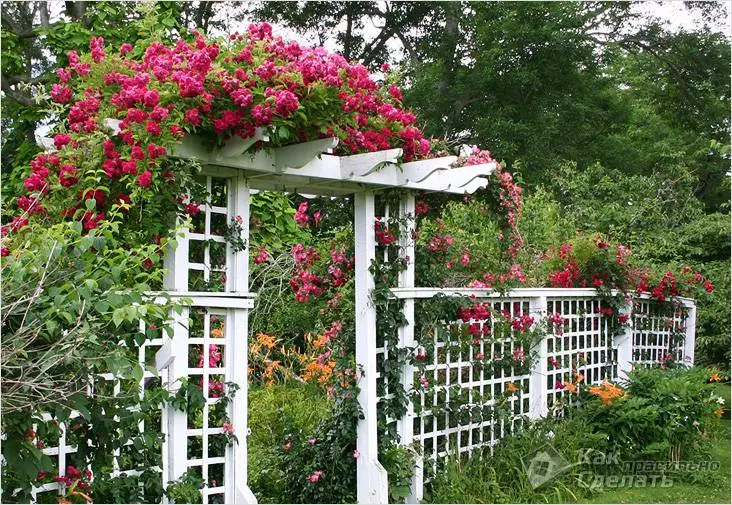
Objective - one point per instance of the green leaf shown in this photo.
(118, 316)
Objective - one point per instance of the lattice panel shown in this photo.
(581, 345)
(455, 400)
(207, 253)
(128, 461)
(206, 440)
(658, 333)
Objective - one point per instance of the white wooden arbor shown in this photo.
(216, 322)
(306, 168)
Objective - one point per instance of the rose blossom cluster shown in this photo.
(619, 274)
(215, 387)
(256, 81)
(306, 283)
(510, 195)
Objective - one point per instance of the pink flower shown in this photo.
(151, 98)
(97, 49)
(192, 116)
(465, 258)
(63, 74)
(228, 428)
(315, 476)
(125, 48)
(708, 286)
(301, 216)
(518, 355)
(356, 454)
(396, 93)
(152, 128)
(61, 93)
(262, 255)
(145, 179)
(61, 140)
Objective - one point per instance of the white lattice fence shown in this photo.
(129, 461)
(456, 414)
(581, 344)
(454, 394)
(660, 332)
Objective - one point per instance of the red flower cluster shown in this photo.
(258, 80)
(609, 267)
(384, 234)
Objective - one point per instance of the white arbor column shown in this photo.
(537, 381)
(372, 480)
(173, 354)
(405, 425)
(624, 342)
(237, 359)
(690, 340)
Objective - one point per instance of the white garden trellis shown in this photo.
(306, 168)
(309, 168)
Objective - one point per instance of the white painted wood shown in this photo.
(237, 489)
(237, 355)
(177, 420)
(624, 343)
(302, 168)
(537, 382)
(176, 262)
(491, 293)
(361, 165)
(234, 301)
(372, 486)
(236, 146)
(690, 340)
(405, 425)
(417, 171)
(237, 279)
(163, 357)
(299, 155)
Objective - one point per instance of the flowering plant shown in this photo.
(217, 89)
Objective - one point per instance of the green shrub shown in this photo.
(665, 415)
(274, 411)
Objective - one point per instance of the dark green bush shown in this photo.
(274, 412)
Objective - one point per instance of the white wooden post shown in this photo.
(237, 356)
(405, 425)
(537, 382)
(372, 480)
(176, 280)
(690, 340)
(624, 343)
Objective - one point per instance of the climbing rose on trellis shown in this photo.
(226, 89)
